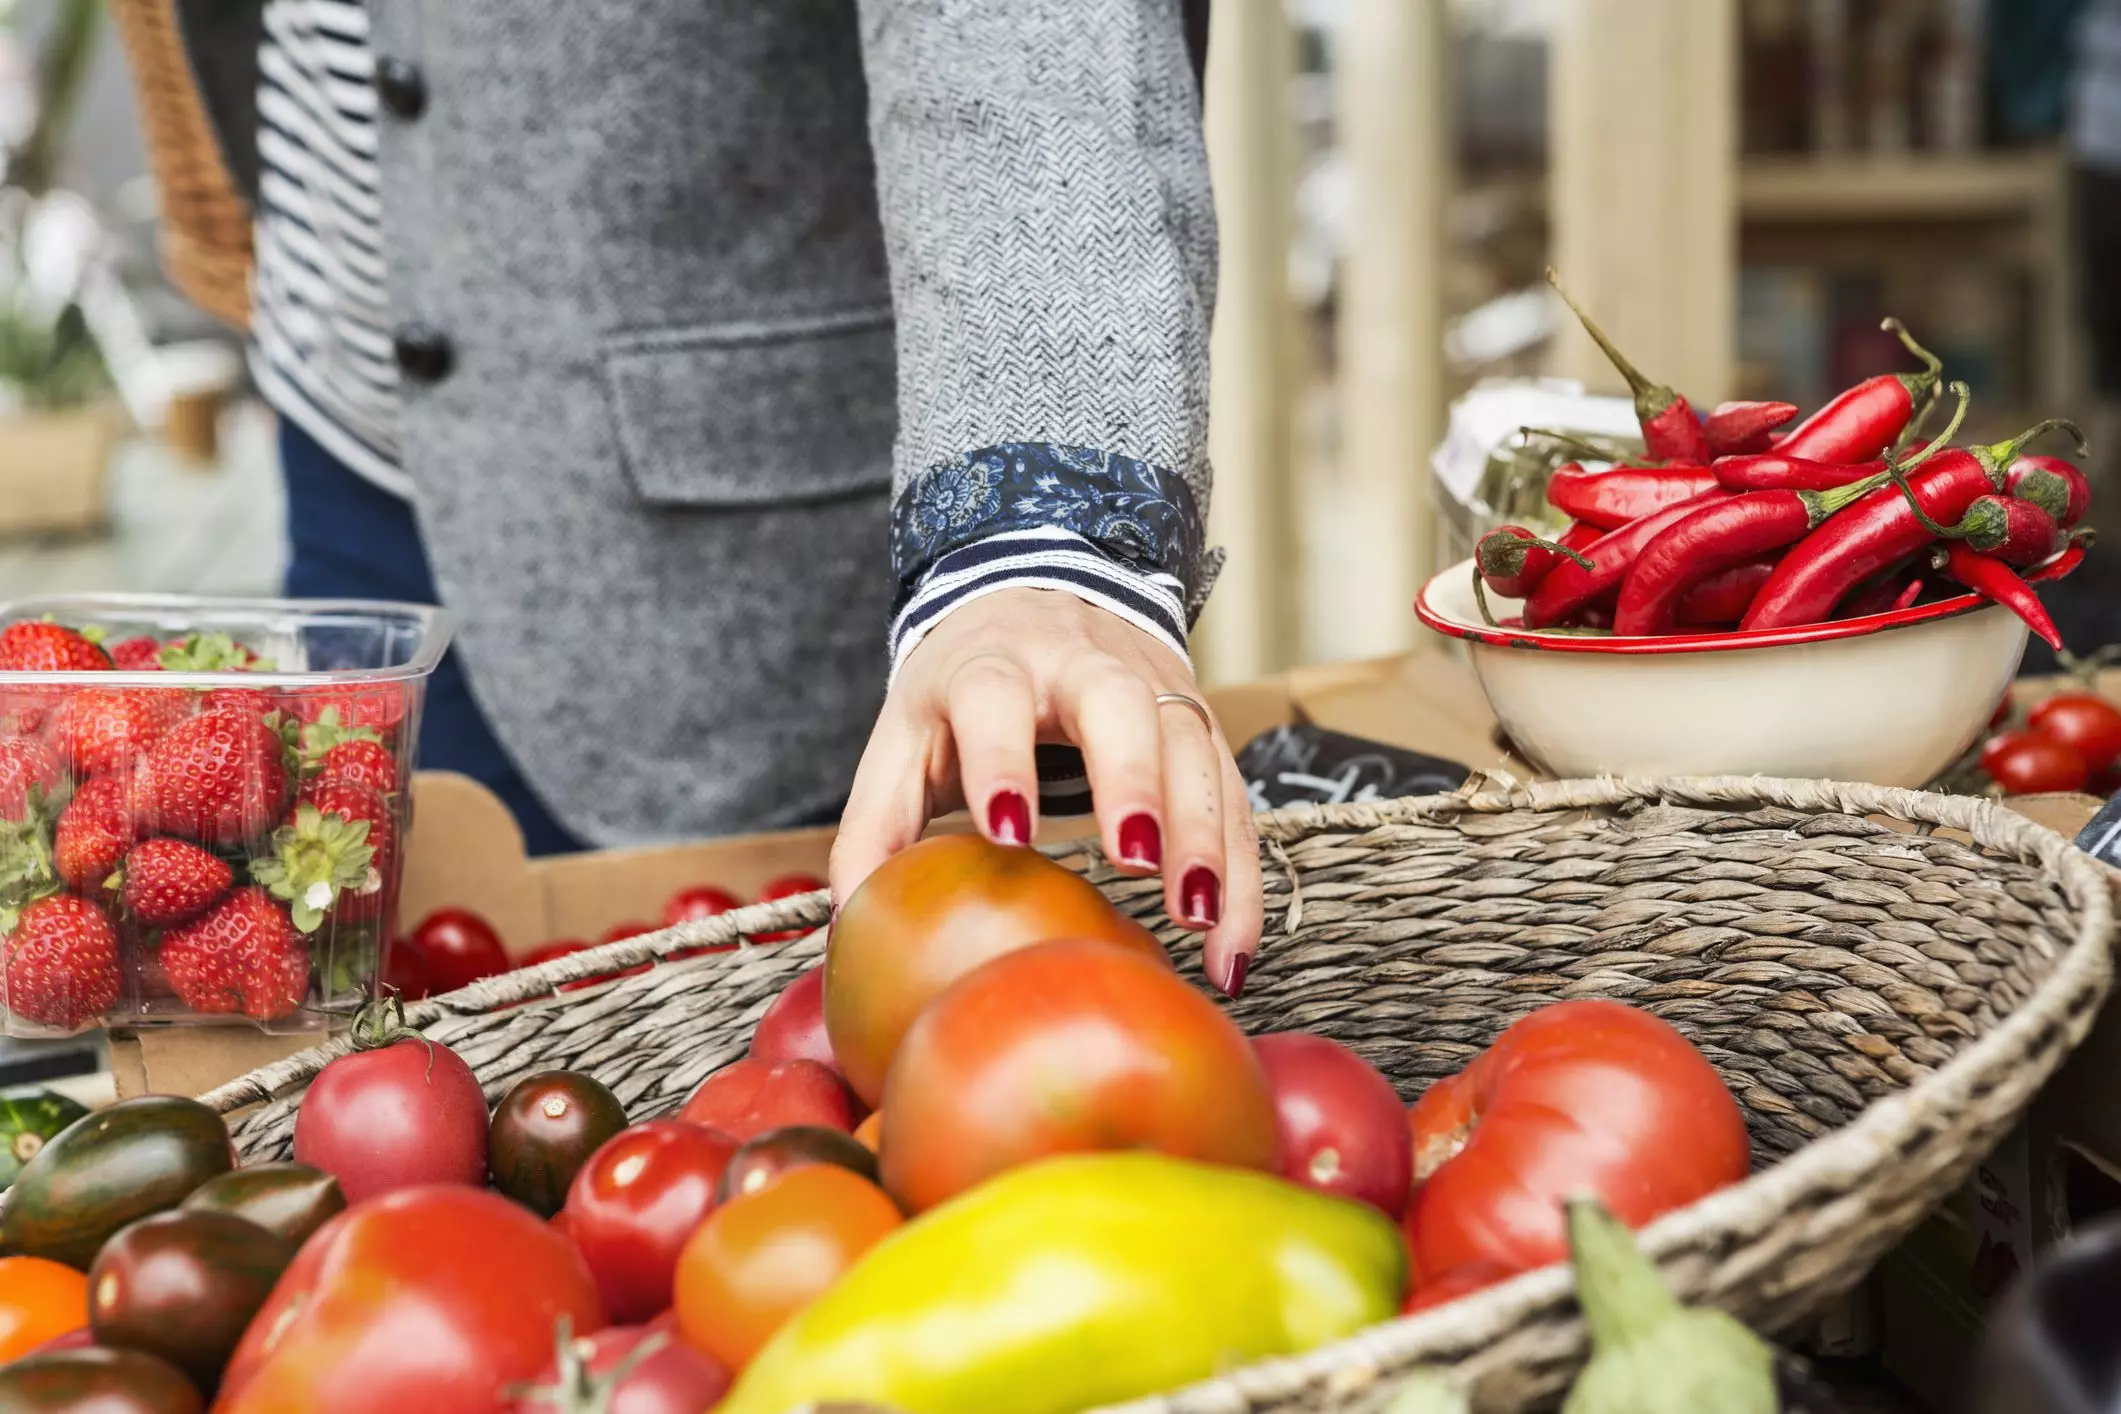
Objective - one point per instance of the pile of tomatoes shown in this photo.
(2068, 742)
(983, 1017)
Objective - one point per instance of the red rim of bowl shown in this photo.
(1722, 642)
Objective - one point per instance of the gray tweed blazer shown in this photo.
(726, 318)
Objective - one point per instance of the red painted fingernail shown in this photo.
(1009, 818)
(1201, 896)
(1141, 842)
(1233, 983)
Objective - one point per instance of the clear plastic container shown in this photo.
(212, 829)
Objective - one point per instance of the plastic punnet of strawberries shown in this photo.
(202, 849)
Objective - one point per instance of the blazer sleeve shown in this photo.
(1051, 234)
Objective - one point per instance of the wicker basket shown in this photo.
(1883, 1000)
(204, 222)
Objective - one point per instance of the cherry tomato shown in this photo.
(1588, 1097)
(459, 948)
(39, 1301)
(619, 932)
(793, 1027)
(544, 1130)
(1458, 1282)
(430, 1299)
(674, 1379)
(699, 901)
(405, 1114)
(636, 1201)
(549, 951)
(1343, 1129)
(750, 1096)
(1069, 1047)
(406, 972)
(929, 915)
(766, 1255)
(2091, 725)
(777, 1152)
(2031, 763)
(787, 886)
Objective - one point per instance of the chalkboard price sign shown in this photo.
(2101, 839)
(1305, 765)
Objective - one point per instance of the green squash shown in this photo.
(30, 1119)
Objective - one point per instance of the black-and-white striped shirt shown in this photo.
(321, 320)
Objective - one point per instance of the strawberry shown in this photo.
(166, 882)
(243, 955)
(324, 864)
(136, 655)
(98, 730)
(352, 802)
(89, 842)
(219, 778)
(250, 701)
(380, 709)
(331, 752)
(61, 962)
(45, 647)
(209, 653)
(29, 773)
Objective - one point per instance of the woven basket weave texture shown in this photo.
(1883, 1000)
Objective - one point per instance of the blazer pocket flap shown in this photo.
(757, 414)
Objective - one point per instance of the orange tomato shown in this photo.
(1069, 1047)
(871, 1132)
(932, 913)
(38, 1301)
(762, 1257)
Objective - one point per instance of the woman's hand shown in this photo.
(1023, 666)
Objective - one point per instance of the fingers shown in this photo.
(1194, 781)
(1228, 950)
(1109, 711)
(887, 808)
(993, 718)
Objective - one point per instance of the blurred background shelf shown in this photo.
(1924, 187)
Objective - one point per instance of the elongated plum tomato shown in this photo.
(674, 1379)
(699, 901)
(91, 1380)
(1343, 1130)
(1588, 1097)
(787, 886)
(2033, 763)
(2089, 725)
(793, 1027)
(459, 948)
(433, 1299)
(400, 1115)
(748, 1097)
(764, 1256)
(929, 915)
(636, 1201)
(1068, 1047)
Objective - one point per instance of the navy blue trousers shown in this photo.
(351, 539)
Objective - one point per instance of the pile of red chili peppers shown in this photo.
(1727, 523)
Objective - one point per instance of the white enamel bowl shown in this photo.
(1892, 699)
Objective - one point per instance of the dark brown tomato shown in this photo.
(544, 1130)
(120, 1164)
(293, 1200)
(183, 1286)
(98, 1380)
(759, 1161)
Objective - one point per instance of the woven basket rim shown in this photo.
(1837, 1160)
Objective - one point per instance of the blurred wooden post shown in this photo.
(1391, 67)
(1643, 129)
(1249, 628)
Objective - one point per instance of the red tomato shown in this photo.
(459, 948)
(2030, 763)
(1582, 1097)
(929, 915)
(675, 1379)
(750, 1096)
(699, 901)
(408, 1114)
(766, 1255)
(1068, 1047)
(1458, 1282)
(1343, 1129)
(552, 950)
(793, 1027)
(435, 1299)
(2091, 725)
(40, 1301)
(787, 886)
(405, 971)
(636, 1201)
(619, 932)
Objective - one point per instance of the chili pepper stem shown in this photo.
(1480, 596)
(1526, 542)
(1582, 446)
(2004, 453)
(1893, 326)
(1897, 470)
(1643, 389)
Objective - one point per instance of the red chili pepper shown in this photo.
(1865, 420)
(1895, 589)
(1722, 599)
(1570, 588)
(2006, 528)
(1715, 538)
(1774, 471)
(2029, 478)
(1992, 579)
(1739, 429)
(1625, 493)
(1670, 431)
(1512, 560)
(1883, 528)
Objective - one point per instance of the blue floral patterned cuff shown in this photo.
(1139, 514)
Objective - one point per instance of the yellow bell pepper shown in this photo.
(1080, 1281)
